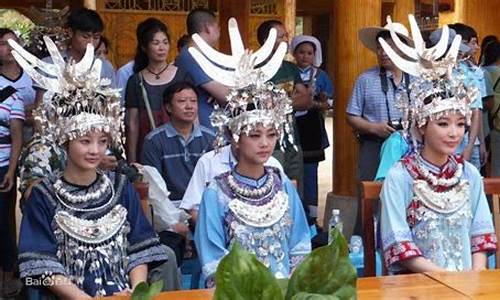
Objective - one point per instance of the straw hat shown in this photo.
(368, 35)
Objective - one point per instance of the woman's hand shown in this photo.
(8, 181)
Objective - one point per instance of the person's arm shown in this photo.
(217, 90)
(39, 96)
(362, 125)
(138, 274)
(16, 134)
(473, 132)
(479, 260)
(301, 97)
(421, 264)
(64, 289)
(132, 134)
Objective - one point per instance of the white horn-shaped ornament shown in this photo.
(57, 58)
(440, 48)
(409, 51)
(416, 35)
(32, 60)
(85, 64)
(50, 83)
(404, 65)
(223, 68)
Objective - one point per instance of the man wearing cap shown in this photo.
(372, 110)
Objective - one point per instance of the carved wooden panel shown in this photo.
(263, 7)
(160, 5)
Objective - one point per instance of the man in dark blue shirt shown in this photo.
(175, 147)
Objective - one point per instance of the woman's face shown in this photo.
(5, 54)
(257, 146)
(304, 55)
(86, 152)
(442, 136)
(158, 47)
(102, 51)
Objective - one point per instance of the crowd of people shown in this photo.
(234, 142)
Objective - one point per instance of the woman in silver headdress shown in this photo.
(254, 205)
(435, 216)
(83, 232)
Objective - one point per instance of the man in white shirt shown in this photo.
(208, 167)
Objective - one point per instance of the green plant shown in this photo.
(143, 291)
(325, 274)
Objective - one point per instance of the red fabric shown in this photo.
(447, 171)
(483, 242)
(400, 252)
(411, 213)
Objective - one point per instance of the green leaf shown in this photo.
(241, 276)
(309, 296)
(326, 271)
(140, 291)
(283, 283)
(154, 289)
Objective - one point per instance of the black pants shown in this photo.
(7, 211)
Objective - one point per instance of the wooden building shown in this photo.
(335, 22)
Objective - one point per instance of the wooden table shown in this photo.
(414, 286)
(476, 285)
(445, 285)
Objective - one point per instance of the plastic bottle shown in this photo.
(356, 253)
(335, 222)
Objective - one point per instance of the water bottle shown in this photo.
(356, 253)
(335, 222)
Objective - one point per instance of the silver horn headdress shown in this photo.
(251, 101)
(77, 99)
(439, 87)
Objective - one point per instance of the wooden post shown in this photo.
(351, 59)
(239, 10)
(401, 10)
(289, 10)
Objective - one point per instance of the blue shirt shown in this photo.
(369, 101)
(174, 157)
(186, 62)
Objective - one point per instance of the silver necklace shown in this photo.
(88, 209)
(251, 193)
(68, 196)
(435, 181)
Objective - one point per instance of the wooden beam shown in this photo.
(239, 10)
(351, 59)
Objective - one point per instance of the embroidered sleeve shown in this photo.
(401, 251)
(33, 264)
(483, 242)
(145, 252)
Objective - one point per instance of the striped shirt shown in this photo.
(10, 108)
(369, 101)
(174, 157)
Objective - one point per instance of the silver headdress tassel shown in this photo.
(438, 88)
(77, 99)
(252, 101)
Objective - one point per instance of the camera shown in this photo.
(396, 124)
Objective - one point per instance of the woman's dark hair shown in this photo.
(264, 28)
(173, 89)
(103, 40)
(485, 42)
(85, 20)
(4, 31)
(183, 41)
(491, 53)
(146, 31)
(306, 42)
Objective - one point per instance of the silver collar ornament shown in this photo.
(252, 101)
(77, 100)
(438, 88)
